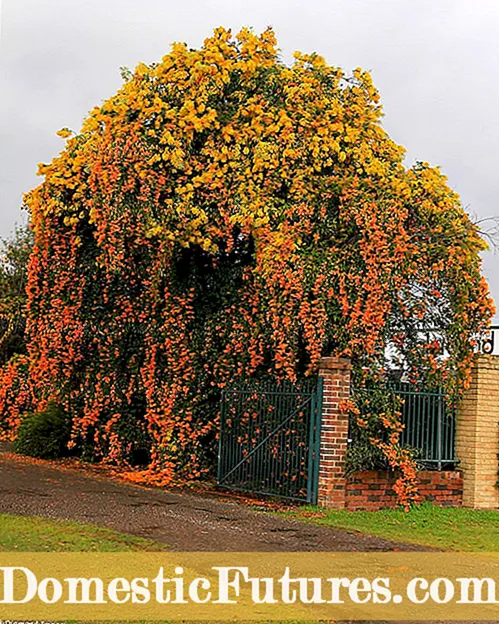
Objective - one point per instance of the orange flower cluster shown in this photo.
(15, 395)
(225, 216)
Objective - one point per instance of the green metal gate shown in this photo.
(428, 417)
(429, 421)
(269, 439)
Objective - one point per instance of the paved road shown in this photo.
(185, 521)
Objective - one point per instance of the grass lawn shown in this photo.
(32, 534)
(445, 528)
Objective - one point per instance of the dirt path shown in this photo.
(185, 521)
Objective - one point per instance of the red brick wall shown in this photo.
(368, 489)
(335, 373)
(372, 490)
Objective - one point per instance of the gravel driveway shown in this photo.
(185, 521)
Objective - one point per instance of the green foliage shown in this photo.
(374, 410)
(362, 455)
(374, 423)
(44, 434)
(14, 257)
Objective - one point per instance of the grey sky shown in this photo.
(436, 63)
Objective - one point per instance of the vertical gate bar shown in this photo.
(449, 411)
(276, 404)
(423, 409)
(253, 462)
(282, 486)
(301, 442)
(260, 466)
(417, 431)
(282, 455)
(419, 435)
(294, 436)
(243, 468)
(439, 428)
(297, 436)
(270, 415)
(411, 429)
(453, 448)
(249, 465)
(288, 465)
(311, 448)
(405, 408)
(446, 428)
(432, 410)
(237, 428)
(242, 433)
(230, 433)
(220, 445)
(417, 440)
(300, 445)
(405, 417)
(317, 442)
(429, 422)
(261, 424)
(408, 432)
(284, 465)
(448, 419)
(273, 414)
(451, 428)
(417, 412)
(433, 400)
(414, 422)
(434, 418)
(238, 448)
(304, 450)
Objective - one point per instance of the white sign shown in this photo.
(489, 341)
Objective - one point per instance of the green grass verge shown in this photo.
(428, 525)
(33, 534)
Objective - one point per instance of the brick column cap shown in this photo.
(334, 363)
(486, 358)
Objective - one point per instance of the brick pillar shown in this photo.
(477, 441)
(335, 373)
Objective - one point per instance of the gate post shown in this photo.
(477, 440)
(335, 373)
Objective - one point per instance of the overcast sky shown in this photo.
(435, 62)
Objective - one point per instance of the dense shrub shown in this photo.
(44, 434)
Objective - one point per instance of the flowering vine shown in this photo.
(225, 216)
